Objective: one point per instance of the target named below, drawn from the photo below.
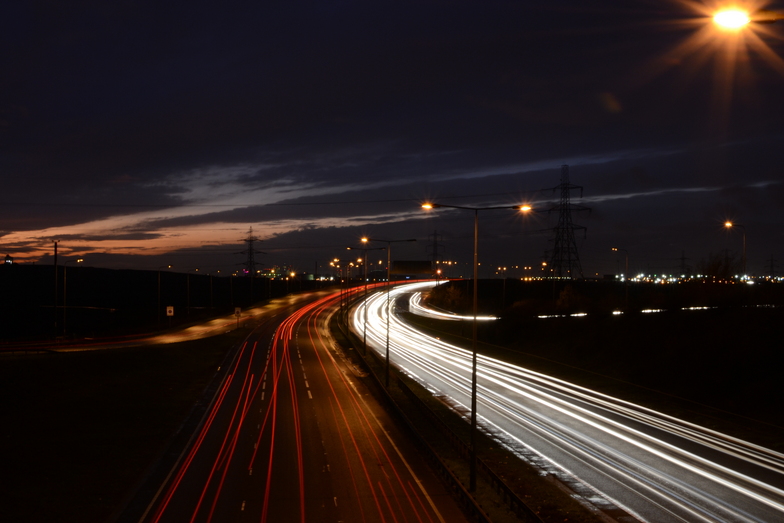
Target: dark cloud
(342, 117)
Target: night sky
(145, 134)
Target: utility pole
(435, 249)
(55, 287)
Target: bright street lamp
(735, 19)
(389, 283)
(522, 208)
(729, 225)
(731, 19)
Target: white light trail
(664, 469)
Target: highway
(292, 434)
(612, 453)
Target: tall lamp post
(65, 289)
(729, 225)
(522, 208)
(343, 268)
(625, 274)
(159, 290)
(188, 291)
(389, 284)
(364, 303)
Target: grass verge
(80, 428)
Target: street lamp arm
(387, 241)
(766, 17)
(521, 207)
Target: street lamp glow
(728, 224)
(731, 19)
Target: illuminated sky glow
(318, 124)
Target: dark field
(80, 429)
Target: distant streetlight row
(364, 303)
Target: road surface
(292, 434)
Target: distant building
(8, 259)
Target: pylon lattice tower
(435, 249)
(250, 251)
(564, 258)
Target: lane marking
(400, 454)
(310, 395)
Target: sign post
(238, 313)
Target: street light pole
(188, 292)
(472, 478)
(364, 302)
(625, 274)
(523, 208)
(159, 290)
(55, 287)
(389, 284)
(65, 289)
(730, 225)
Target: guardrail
(513, 501)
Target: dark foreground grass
(80, 429)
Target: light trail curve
(656, 467)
